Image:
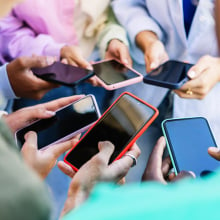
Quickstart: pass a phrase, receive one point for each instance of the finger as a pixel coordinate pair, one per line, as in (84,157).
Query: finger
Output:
(34,61)
(124,55)
(166,166)
(30,145)
(122,181)
(58,149)
(153,170)
(59,103)
(183,175)
(66,169)
(155,159)
(106,149)
(214,152)
(198,68)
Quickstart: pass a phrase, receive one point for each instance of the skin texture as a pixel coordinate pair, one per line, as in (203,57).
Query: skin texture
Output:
(158,169)
(23,82)
(25,116)
(153,49)
(97,170)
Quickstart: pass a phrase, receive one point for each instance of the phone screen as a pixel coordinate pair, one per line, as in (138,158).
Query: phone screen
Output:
(189,140)
(119,125)
(169,74)
(63,73)
(112,72)
(67,120)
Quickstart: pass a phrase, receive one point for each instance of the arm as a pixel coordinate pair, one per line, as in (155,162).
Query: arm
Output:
(17,39)
(112,40)
(144,33)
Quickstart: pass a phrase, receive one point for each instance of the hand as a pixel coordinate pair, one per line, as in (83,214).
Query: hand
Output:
(97,169)
(204,76)
(73,56)
(157,169)
(42,161)
(153,49)
(23,82)
(214,152)
(25,116)
(118,50)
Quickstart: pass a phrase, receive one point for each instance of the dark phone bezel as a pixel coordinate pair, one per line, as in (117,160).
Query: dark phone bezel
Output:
(71,134)
(45,72)
(149,79)
(103,116)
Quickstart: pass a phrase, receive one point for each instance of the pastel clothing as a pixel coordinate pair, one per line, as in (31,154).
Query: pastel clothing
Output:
(5,86)
(22,194)
(186,199)
(165,18)
(37,27)
(96,25)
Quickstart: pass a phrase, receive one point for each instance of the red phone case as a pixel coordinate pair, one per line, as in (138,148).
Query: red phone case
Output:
(140,132)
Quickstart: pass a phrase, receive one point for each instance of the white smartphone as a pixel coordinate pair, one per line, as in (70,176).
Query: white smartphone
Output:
(69,121)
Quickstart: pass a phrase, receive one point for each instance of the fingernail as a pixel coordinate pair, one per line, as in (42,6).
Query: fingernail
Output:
(50,60)
(50,113)
(193,174)
(125,61)
(153,65)
(89,67)
(192,74)
(214,149)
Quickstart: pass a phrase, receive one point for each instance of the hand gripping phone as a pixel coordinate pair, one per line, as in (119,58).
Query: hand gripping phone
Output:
(69,121)
(112,74)
(121,124)
(63,74)
(188,140)
(172,75)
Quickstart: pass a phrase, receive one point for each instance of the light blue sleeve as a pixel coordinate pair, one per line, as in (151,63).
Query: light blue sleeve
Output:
(134,16)
(5,86)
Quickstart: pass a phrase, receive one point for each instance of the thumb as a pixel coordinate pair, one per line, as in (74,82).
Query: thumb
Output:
(214,152)
(29,148)
(106,149)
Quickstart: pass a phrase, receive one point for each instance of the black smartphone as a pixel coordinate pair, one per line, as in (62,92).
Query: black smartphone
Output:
(121,124)
(172,75)
(188,140)
(112,74)
(68,122)
(63,74)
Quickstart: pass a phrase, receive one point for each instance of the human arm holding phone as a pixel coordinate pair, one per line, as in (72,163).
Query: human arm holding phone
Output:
(204,75)
(97,169)
(25,116)
(157,168)
(17,80)
(42,162)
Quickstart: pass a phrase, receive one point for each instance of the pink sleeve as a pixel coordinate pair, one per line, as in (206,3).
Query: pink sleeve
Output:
(17,39)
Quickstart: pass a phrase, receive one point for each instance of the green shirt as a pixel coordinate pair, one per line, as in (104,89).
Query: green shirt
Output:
(188,199)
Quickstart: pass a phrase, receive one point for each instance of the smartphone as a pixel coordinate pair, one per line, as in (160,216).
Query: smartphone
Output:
(113,75)
(68,122)
(188,140)
(63,74)
(121,124)
(172,75)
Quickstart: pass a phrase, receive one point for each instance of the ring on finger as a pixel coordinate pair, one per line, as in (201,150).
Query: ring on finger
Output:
(133,158)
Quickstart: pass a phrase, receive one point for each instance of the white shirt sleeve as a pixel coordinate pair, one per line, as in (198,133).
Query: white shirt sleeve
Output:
(5,86)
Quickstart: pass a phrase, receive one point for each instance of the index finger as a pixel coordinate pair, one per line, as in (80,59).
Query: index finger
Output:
(59,103)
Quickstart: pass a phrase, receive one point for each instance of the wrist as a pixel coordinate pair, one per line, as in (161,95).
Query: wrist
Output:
(144,39)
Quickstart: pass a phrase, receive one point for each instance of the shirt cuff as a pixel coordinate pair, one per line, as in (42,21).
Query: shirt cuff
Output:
(5,86)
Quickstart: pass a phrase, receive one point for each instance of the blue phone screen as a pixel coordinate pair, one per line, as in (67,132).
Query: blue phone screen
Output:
(189,140)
